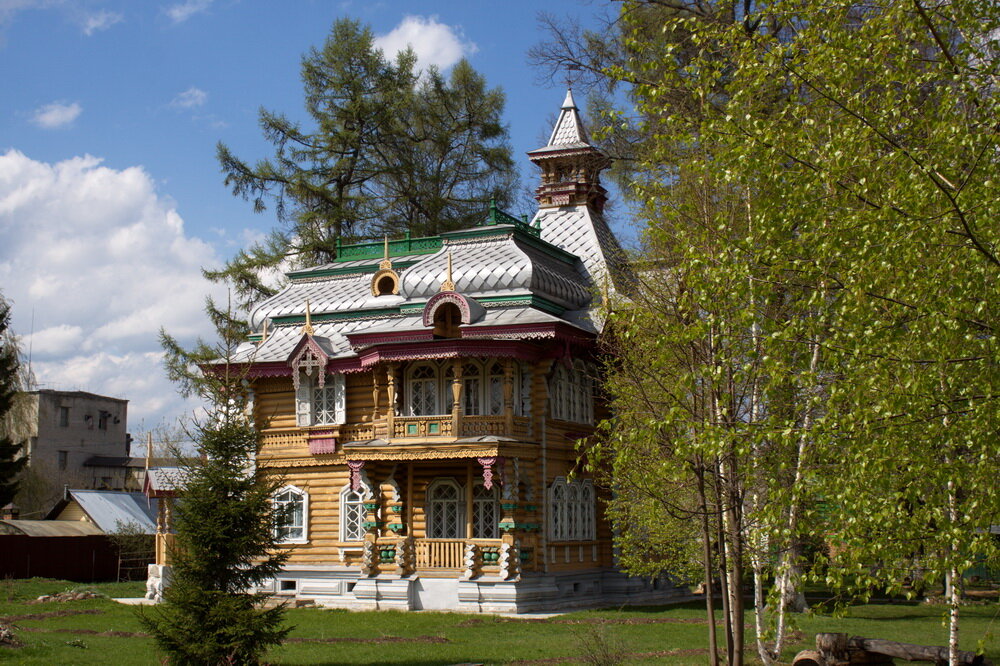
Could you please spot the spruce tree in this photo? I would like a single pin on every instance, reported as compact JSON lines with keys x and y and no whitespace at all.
{"x":225,"y":545}
{"x":10,"y":462}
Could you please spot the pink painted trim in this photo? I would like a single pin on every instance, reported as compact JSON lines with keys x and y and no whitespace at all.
{"x":452,"y":349}
{"x":356,"y":466}
{"x":439,"y":299}
{"x":323,"y":446}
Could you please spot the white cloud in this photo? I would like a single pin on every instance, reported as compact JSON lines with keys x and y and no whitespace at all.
{"x":56,"y":115}
{"x":185,"y":10}
{"x":100,"y":260}
{"x":434,"y":43}
{"x":190,"y":98}
{"x":102,"y":20}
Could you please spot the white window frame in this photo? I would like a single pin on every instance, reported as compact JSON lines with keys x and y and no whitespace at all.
{"x":432,"y":527}
{"x":571,"y":394}
{"x":477,"y":503}
{"x":321,"y":406}
{"x":434,"y":382}
{"x":572,"y":514}
{"x":303,"y":497}
{"x":358,"y":505}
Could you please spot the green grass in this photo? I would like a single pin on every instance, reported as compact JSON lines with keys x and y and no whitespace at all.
{"x":664,"y":635}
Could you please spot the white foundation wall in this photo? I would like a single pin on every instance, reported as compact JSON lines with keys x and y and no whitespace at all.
{"x":343,"y":587}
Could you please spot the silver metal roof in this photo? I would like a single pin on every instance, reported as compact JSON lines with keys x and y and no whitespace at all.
{"x":43,"y":528}
{"x":497,"y":265}
{"x":111,"y":509}
{"x":585,"y":233}
{"x":569,"y":130}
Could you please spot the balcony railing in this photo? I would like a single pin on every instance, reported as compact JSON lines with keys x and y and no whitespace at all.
{"x":446,"y":553}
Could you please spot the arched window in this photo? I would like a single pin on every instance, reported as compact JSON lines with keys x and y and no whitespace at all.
{"x":291,"y":512}
{"x":422,"y":381}
{"x":572,"y":515}
{"x":485,"y":512}
{"x":352,"y":514}
{"x":472,"y":388}
{"x":495,"y":397}
{"x":524,"y":404}
{"x":445,"y":510}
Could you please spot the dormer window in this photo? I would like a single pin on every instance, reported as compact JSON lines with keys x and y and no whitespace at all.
{"x":385,"y":283}
{"x":447,"y":318}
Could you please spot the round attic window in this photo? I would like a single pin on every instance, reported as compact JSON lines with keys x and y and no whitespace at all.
{"x":385,"y":283}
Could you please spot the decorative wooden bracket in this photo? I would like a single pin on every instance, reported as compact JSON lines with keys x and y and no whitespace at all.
{"x":356,"y":466}
{"x":488,"y":464}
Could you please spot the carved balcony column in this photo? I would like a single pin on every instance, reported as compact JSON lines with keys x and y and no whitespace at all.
{"x":390,"y":411}
{"x":508,"y":396}
{"x":456,"y":396}
{"x":376,"y":393}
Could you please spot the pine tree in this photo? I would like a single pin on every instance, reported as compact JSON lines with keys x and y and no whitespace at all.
{"x":10,"y":462}
{"x":225,"y":545}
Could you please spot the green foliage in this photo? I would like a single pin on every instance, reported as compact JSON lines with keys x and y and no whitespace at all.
{"x":10,"y":462}
{"x":390,"y":150}
{"x":818,"y":181}
{"x":225,"y":545}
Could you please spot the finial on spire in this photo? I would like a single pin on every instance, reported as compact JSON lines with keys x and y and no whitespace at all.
{"x":448,"y":284}
{"x":386,"y":263}
{"x":307,"y":328}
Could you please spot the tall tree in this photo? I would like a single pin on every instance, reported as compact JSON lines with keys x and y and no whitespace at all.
{"x":390,"y":150}
{"x":225,"y":544}
{"x":11,"y":459}
{"x":864,"y":138}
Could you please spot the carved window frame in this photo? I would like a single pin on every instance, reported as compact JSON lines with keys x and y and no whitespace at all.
{"x":284,"y":501}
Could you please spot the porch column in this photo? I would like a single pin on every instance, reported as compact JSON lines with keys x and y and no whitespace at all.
{"x":390,"y":412}
{"x":468,"y":501}
{"x":508,"y":396}
{"x":376,"y":393}
{"x":456,"y":394}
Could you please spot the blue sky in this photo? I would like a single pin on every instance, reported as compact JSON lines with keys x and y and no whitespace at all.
{"x":110,"y":195}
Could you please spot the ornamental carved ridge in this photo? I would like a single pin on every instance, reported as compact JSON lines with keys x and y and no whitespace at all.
{"x":310,"y":357}
{"x":443,"y":297}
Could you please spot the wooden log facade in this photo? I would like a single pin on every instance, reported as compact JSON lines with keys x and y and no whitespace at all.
{"x":423,"y":400}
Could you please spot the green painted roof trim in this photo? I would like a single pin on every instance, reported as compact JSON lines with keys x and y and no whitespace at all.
{"x":309,"y":273}
{"x":397,"y":248}
{"x":334,"y":316}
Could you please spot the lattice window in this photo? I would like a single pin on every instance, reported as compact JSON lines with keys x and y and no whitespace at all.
{"x":472,"y":388}
{"x":423,"y":386}
{"x":524,"y":404}
{"x":572,"y":514}
{"x":572,"y":394}
{"x":445,"y":510}
{"x":321,"y":405}
{"x":485,"y":512}
{"x":291,"y":509}
{"x":496,"y":378}
{"x":352,"y":514}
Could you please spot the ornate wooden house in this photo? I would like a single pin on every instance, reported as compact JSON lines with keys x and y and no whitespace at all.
{"x":423,"y":398}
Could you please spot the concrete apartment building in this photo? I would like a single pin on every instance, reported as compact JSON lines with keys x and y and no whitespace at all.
{"x":75,"y":439}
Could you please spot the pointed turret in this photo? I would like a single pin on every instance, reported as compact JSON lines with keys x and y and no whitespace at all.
{"x":571,"y":165}
{"x":571,"y":198}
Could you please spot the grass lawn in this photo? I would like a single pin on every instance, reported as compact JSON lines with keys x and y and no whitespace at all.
{"x":100,"y":631}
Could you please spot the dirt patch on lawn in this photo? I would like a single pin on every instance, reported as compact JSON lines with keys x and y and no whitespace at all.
{"x":46,"y":615}
{"x":383,"y":639}
{"x":476,"y":621}
{"x":627,"y":655}
{"x":88,"y":632}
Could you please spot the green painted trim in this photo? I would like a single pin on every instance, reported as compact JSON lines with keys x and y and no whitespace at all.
{"x":255,"y":337}
{"x":308,"y":273}
{"x":529,"y":300}
{"x":293,"y":320}
{"x":397,"y":248}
